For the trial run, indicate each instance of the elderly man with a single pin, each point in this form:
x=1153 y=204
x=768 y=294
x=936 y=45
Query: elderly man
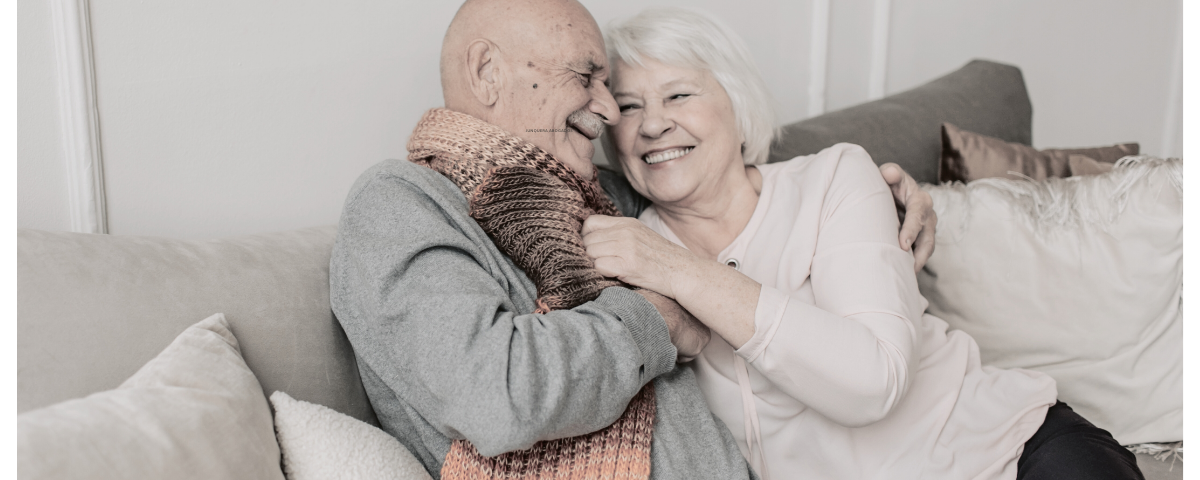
x=485 y=345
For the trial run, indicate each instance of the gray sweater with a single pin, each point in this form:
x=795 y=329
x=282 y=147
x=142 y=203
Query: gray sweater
x=448 y=347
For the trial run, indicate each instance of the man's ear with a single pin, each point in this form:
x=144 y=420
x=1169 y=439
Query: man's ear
x=483 y=71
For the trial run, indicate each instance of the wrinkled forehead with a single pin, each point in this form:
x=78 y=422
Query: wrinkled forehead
x=562 y=35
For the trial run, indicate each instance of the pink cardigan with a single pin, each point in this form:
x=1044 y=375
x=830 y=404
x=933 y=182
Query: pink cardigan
x=850 y=379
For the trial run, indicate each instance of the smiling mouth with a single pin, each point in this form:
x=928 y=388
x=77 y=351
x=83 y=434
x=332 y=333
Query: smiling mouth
x=671 y=154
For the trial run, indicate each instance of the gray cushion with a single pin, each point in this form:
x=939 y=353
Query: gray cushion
x=983 y=97
x=92 y=309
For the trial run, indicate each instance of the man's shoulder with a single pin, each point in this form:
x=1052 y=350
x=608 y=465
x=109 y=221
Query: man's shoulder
x=407 y=203
x=400 y=188
x=404 y=176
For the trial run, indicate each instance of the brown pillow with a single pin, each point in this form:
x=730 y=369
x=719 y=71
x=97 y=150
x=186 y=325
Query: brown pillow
x=968 y=156
x=1085 y=165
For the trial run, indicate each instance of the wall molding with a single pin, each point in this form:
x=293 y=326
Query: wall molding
x=80 y=120
x=1174 y=108
x=880 y=31
x=818 y=59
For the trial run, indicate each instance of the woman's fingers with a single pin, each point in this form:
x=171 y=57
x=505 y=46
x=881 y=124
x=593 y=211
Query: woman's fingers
x=923 y=248
x=599 y=222
x=610 y=266
x=611 y=245
x=892 y=174
x=916 y=211
x=624 y=248
x=920 y=222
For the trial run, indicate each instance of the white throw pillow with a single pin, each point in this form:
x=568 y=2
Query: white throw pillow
x=1080 y=278
x=318 y=443
x=195 y=411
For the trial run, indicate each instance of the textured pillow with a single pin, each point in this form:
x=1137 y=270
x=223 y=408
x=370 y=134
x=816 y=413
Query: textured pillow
x=319 y=443
x=1080 y=278
x=968 y=156
x=194 y=411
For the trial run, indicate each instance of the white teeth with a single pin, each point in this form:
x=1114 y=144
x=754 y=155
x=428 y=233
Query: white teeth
x=667 y=155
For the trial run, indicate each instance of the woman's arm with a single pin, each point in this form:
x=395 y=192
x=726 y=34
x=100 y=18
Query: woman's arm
x=846 y=352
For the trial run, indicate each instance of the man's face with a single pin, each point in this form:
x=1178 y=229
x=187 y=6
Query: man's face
x=558 y=98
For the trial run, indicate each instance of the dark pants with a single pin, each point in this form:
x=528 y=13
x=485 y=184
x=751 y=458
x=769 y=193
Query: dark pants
x=1068 y=447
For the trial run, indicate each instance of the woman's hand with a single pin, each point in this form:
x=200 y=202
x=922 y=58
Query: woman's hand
x=719 y=296
x=622 y=247
x=916 y=211
x=626 y=249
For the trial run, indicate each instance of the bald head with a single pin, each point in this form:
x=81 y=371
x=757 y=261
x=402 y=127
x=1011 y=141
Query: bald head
x=535 y=68
x=520 y=28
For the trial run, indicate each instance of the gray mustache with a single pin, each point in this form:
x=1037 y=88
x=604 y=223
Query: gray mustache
x=587 y=121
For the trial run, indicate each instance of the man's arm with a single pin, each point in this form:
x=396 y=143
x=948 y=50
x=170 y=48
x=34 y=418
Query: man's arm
x=437 y=315
x=916 y=212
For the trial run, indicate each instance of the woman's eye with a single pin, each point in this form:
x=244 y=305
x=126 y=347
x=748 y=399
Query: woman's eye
x=626 y=107
x=678 y=96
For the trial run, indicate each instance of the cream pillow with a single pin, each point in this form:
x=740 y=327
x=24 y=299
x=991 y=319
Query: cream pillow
x=318 y=443
x=1080 y=278
x=193 y=412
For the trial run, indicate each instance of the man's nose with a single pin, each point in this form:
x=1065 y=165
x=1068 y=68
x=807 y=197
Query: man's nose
x=604 y=104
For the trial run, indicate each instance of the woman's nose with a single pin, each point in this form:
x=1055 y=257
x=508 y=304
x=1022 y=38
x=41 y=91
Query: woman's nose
x=655 y=122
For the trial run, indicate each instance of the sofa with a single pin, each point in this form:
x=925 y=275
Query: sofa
x=94 y=309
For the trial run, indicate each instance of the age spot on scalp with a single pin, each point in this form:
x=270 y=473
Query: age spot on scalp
x=530 y=64
x=535 y=85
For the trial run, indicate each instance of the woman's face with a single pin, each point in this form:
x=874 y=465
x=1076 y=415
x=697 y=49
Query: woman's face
x=677 y=137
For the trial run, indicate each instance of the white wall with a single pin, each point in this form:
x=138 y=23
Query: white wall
x=41 y=171
x=228 y=117
x=225 y=117
x=1098 y=71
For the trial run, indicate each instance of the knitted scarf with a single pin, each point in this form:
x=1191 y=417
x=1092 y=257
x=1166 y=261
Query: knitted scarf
x=533 y=207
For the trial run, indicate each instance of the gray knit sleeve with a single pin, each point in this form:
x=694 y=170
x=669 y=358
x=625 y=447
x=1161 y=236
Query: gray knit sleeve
x=444 y=320
x=639 y=316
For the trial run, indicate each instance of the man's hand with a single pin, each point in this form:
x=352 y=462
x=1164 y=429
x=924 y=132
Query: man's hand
x=916 y=212
x=687 y=334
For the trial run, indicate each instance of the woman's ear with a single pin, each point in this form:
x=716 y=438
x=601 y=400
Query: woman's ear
x=483 y=71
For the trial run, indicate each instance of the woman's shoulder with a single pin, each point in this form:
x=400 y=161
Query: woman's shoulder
x=843 y=163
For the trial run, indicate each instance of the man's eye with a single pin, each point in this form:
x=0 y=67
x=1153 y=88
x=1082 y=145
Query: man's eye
x=586 y=78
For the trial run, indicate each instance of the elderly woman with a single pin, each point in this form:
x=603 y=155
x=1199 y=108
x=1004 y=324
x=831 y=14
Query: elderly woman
x=823 y=364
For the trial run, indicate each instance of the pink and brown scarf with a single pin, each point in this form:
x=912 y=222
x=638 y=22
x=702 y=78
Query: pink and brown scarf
x=533 y=207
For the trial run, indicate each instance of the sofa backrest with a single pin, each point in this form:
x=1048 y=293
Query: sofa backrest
x=92 y=309
x=906 y=127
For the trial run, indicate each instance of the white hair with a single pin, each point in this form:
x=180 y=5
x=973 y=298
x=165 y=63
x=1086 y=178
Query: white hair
x=685 y=38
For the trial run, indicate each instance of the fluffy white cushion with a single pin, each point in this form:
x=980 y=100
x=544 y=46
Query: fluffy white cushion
x=193 y=412
x=319 y=443
x=1080 y=278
